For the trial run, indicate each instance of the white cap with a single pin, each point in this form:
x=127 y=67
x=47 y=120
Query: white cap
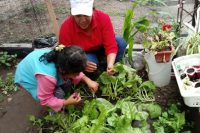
x=82 y=7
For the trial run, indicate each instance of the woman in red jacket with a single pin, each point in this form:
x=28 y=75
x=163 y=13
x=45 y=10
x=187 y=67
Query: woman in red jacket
x=92 y=30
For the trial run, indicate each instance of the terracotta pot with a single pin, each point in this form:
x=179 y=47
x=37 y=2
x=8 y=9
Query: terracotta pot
x=163 y=56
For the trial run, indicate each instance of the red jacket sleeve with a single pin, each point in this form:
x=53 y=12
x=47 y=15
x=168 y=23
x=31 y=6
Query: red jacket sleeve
x=108 y=34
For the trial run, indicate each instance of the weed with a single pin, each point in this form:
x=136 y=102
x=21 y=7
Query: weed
x=6 y=59
x=7 y=86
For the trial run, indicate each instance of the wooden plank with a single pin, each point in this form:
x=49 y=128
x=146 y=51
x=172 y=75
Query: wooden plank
x=53 y=17
x=16 y=45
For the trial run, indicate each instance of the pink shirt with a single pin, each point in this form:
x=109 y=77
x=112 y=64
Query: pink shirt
x=46 y=87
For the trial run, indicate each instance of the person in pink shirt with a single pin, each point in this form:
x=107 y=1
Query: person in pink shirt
x=43 y=71
x=92 y=30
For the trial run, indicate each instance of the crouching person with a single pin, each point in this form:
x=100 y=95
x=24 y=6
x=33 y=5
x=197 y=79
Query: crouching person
x=42 y=71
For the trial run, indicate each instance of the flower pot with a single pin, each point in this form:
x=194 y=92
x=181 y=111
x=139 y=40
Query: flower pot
x=163 y=56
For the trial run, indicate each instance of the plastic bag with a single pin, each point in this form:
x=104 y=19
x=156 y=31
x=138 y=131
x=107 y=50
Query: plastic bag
x=44 y=42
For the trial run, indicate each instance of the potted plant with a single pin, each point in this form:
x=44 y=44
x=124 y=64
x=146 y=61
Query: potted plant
x=158 y=44
x=191 y=45
x=159 y=40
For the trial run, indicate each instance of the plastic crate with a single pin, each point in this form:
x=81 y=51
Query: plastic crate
x=188 y=89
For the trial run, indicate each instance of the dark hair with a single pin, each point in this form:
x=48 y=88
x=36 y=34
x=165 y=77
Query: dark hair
x=71 y=59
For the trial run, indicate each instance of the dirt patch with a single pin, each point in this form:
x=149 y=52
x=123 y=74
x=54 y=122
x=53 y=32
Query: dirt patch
x=15 y=112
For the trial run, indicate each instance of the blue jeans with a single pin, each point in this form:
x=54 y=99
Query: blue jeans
x=94 y=55
x=61 y=91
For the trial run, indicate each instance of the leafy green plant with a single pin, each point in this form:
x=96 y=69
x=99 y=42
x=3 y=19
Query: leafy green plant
x=192 y=44
x=130 y=29
x=125 y=82
x=60 y=122
x=99 y=115
x=170 y=121
x=6 y=59
x=130 y=111
x=7 y=86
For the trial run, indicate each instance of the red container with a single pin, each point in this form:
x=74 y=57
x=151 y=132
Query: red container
x=197 y=66
x=198 y=72
x=191 y=73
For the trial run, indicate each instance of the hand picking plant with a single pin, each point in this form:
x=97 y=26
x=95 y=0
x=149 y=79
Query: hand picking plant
x=125 y=82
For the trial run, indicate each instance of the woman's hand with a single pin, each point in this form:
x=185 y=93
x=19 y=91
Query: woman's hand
x=110 y=70
x=75 y=98
x=91 y=66
x=110 y=62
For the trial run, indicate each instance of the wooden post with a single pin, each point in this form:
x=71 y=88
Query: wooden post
x=53 y=18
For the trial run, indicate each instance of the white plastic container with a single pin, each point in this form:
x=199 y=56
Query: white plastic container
x=190 y=94
x=159 y=73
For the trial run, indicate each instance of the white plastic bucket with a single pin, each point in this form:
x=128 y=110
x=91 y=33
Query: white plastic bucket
x=159 y=73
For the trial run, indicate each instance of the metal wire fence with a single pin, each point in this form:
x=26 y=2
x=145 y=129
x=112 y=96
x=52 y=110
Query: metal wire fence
x=24 y=20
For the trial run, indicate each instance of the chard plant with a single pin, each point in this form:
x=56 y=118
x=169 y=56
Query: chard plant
x=128 y=107
x=172 y=120
x=125 y=82
x=99 y=115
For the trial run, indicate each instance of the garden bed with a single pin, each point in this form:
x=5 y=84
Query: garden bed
x=18 y=106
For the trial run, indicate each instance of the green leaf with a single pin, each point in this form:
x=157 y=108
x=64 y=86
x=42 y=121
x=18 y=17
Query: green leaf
x=106 y=79
x=112 y=119
x=129 y=109
x=123 y=125
x=105 y=103
x=148 y=85
x=142 y=115
x=180 y=120
x=80 y=123
x=142 y=24
x=137 y=130
x=130 y=50
x=127 y=26
x=153 y=109
x=90 y=110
